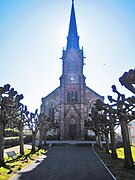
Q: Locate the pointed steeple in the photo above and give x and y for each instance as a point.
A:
(73, 38)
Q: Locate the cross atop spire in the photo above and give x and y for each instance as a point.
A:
(73, 38)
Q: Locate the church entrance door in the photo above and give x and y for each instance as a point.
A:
(72, 131)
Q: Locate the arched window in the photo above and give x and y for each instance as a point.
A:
(68, 97)
(76, 96)
(92, 110)
(51, 112)
(72, 97)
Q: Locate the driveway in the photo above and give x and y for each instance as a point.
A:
(66, 163)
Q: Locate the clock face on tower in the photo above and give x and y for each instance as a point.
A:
(72, 78)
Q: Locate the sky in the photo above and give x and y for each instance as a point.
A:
(33, 34)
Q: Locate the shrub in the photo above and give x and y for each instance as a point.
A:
(52, 137)
(119, 144)
(11, 141)
(14, 141)
(90, 138)
(11, 132)
(27, 139)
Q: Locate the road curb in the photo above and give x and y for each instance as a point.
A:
(104, 165)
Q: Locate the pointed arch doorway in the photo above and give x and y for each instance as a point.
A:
(72, 129)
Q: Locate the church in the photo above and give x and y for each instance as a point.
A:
(70, 103)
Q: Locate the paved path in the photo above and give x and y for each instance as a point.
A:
(66, 163)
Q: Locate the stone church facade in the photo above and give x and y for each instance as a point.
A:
(70, 103)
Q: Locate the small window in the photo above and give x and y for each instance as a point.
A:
(68, 97)
(72, 97)
(76, 96)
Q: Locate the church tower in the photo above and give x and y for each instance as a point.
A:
(70, 103)
(72, 83)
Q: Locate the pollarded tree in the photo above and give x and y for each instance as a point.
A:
(104, 122)
(22, 119)
(34, 125)
(45, 125)
(108, 122)
(9, 100)
(94, 124)
(18, 121)
(128, 80)
(125, 112)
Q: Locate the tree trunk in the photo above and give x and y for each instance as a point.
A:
(21, 137)
(113, 142)
(99, 141)
(127, 149)
(107, 142)
(96, 137)
(1, 143)
(33, 142)
(45, 132)
(40, 137)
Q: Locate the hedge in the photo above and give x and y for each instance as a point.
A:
(52, 137)
(11, 132)
(14, 141)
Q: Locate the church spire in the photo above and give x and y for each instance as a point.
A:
(73, 38)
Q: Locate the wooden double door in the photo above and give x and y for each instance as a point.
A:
(72, 131)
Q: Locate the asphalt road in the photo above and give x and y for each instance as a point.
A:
(66, 163)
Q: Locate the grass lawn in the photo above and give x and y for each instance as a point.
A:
(116, 166)
(13, 165)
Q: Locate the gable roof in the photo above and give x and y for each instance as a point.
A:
(52, 92)
(102, 97)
